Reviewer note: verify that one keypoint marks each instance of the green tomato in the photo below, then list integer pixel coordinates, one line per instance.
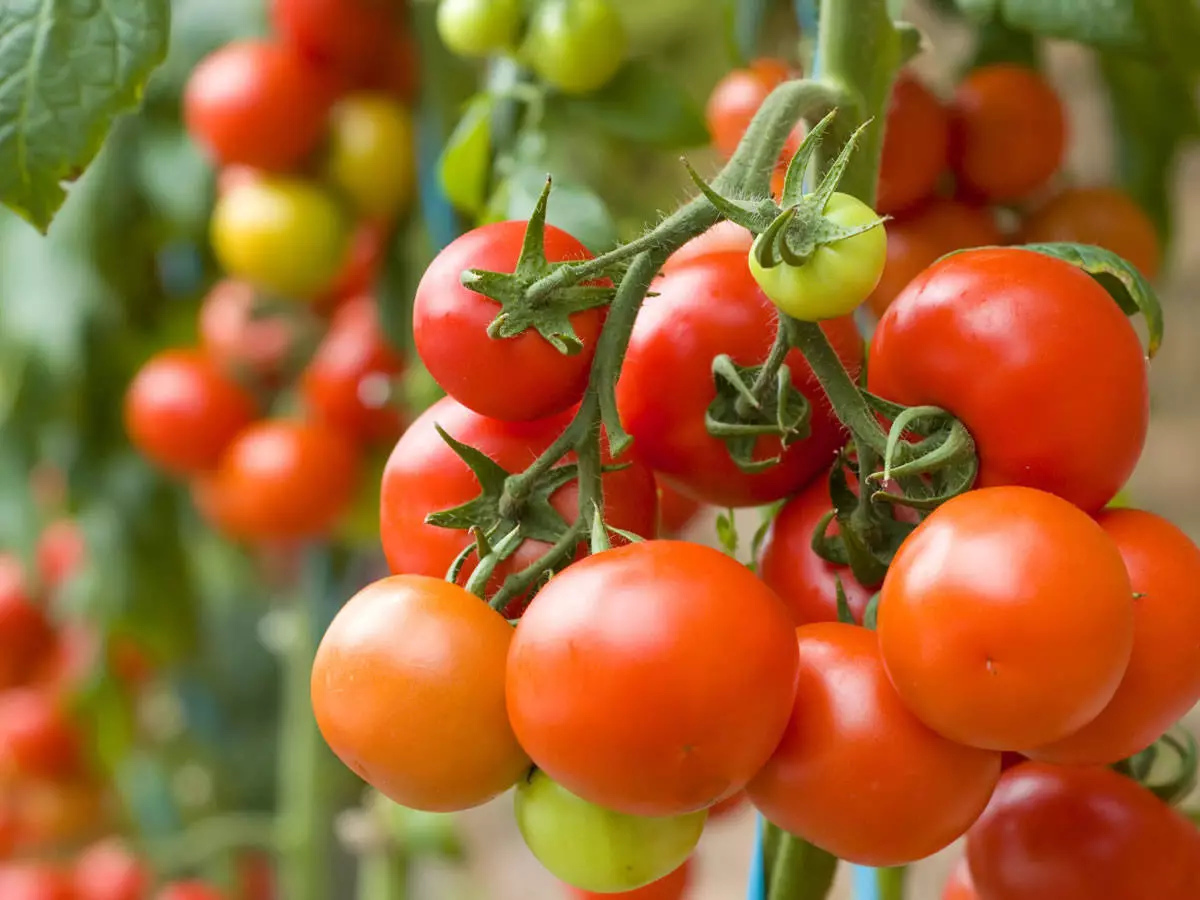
(285, 236)
(576, 46)
(371, 156)
(478, 27)
(838, 277)
(596, 849)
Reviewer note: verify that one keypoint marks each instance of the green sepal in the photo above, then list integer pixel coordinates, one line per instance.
(844, 614)
(871, 613)
(739, 418)
(1181, 778)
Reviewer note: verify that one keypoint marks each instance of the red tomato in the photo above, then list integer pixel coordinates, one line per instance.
(189, 890)
(349, 385)
(1008, 132)
(284, 481)
(257, 104)
(399, 71)
(702, 310)
(1104, 216)
(737, 97)
(424, 475)
(515, 379)
(1076, 833)
(915, 147)
(26, 634)
(182, 412)
(670, 887)
(612, 688)
(36, 736)
(60, 552)
(856, 773)
(54, 813)
(108, 871)
(34, 881)
(675, 511)
(1163, 679)
(238, 340)
(724, 237)
(1006, 619)
(805, 581)
(352, 35)
(960, 886)
(1034, 357)
(255, 876)
(728, 807)
(367, 249)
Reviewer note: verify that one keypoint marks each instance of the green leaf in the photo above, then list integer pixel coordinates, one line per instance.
(727, 533)
(871, 613)
(641, 104)
(999, 43)
(467, 158)
(67, 70)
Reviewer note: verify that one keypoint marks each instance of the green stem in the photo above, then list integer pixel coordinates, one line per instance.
(796, 869)
(770, 368)
(891, 883)
(211, 837)
(383, 874)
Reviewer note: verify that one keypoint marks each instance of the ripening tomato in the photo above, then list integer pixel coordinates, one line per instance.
(348, 34)
(1104, 216)
(424, 654)
(61, 550)
(738, 96)
(26, 634)
(597, 849)
(959, 885)
(1006, 619)
(709, 307)
(856, 774)
(724, 237)
(916, 146)
(478, 27)
(612, 688)
(1079, 833)
(371, 158)
(349, 383)
(575, 46)
(34, 881)
(284, 481)
(257, 104)
(675, 511)
(360, 266)
(237, 339)
(1162, 681)
(107, 870)
(1036, 360)
(181, 411)
(189, 890)
(37, 738)
(1008, 132)
(670, 887)
(513, 379)
(424, 475)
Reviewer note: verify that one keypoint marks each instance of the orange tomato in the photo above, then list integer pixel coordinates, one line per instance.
(1104, 216)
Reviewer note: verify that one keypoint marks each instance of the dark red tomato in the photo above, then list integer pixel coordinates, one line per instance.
(1079, 833)
(670, 887)
(284, 481)
(675, 511)
(724, 237)
(805, 581)
(255, 877)
(352, 35)
(856, 773)
(34, 881)
(915, 148)
(349, 385)
(424, 475)
(367, 247)
(108, 871)
(26, 634)
(181, 411)
(1008, 132)
(398, 72)
(189, 890)
(60, 552)
(1034, 357)
(37, 738)
(258, 104)
(514, 379)
(702, 310)
(960, 886)
(1104, 216)
(737, 97)
(237, 339)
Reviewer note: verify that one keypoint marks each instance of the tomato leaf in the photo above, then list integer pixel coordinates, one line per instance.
(67, 70)
(466, 162)
(871, 613)
(1121, 279)
(1100, 23)
(999, 43)
(727, 533)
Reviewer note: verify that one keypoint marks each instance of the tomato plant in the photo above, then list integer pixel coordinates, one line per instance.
(370, 154)
(478, 27)
(916, 146)
(351, 36)
(109, 871)
(575, 45)
(737, 97)
(1103, 216)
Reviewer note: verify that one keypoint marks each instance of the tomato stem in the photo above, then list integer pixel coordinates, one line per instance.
(383, 874)
(891, 883)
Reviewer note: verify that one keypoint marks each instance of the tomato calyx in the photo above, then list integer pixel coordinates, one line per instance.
(1183, 771)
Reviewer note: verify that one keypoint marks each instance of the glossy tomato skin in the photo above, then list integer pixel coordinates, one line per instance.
(34, 881)
(1008, 132)
(108, 871)
(371, 156)
(237, 339)
(1006, 619)
(709, 307)
(1034, 357)
(1104, 216)
(37, 738)
(960, 886)
(738, 96)
(181, 411)
(856, 773)
(670, 887)
(724, 237)
(1162, 681)
(426, 653)
(257, 104)
(916, 146)
(1079, 833)
(675, 511)
(26, 634)
(349, 384)
(618, 647)
(350, 35)
(514, 379)
(478, 27)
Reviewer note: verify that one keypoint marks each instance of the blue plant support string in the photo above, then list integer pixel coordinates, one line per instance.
(866, 885)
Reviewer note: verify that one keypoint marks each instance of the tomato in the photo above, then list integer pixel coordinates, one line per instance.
(611, 686)
(856, 774)
(189, 890)
(34, 881)
(960, 886)
(1078, 833)
(738, 96)
(1163, 679)
(398, 72)
(837, 277)
(371, 155)
(257, 104)
(670, 887)
(597, 849)
(709, 307)
(59, 812)
(422, 652)
(478, 27)
(1006, 619)
(805, 581)
(1104, 216)
(514, 379)
(61, 550)
(916, 146)
(424, 475)
(576, 46)
(729, 806)
(26, 634)
(724, 237)
(255, 877)
(349, 383)
(348, 34)
(283, 235)
(1008, 132)
(239, 340)
(108, 871)
(36, 736)
(181, 411)
(360, 266)
(1034, 357)
(675, 511)
(284, 481)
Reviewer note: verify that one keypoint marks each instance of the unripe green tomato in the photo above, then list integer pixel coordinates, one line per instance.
(371, 154)
(576, 46)
(838, 277)
(478, 27)
(596, 849)
(285, 236)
